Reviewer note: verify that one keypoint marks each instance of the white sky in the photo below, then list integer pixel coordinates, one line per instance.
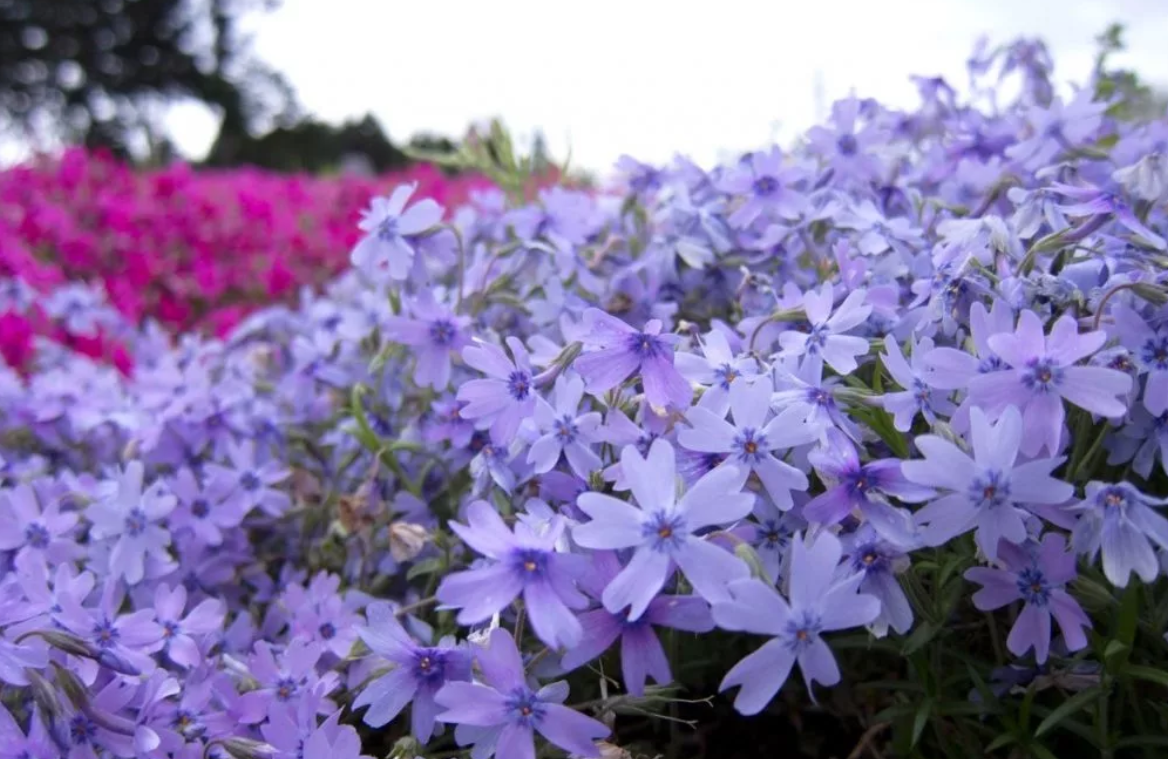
(651, 77)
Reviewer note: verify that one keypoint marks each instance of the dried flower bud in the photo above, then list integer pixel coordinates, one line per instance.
(406, 540)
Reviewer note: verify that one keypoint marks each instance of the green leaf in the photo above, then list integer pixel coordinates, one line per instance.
(1072, 705)
(922, 635)
(1042, 752)
(1003, 740)
(1137, 741)
(920, 719)
(1151, 674)
(426, 567)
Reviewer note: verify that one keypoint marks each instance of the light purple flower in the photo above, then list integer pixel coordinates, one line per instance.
(419, 673)
(1120, 521)
(1150, 348)
(662, 528)
(715, 370)
(564, 431)
(879, 561)
(32, 531)
(435, 332)
(1099, 204)
(507, 712)
(824, 339)
(751, 440)
(386, 252)
(764, 185)
(918, 397)
(1036, 573)
(205, 511)
(622, 350)
(988, 491)
(1043, 373)
(1140, 441)
(849, 150)
(180, 634)
(818, 604)
(521, 562)
(250, 484)
(641, 653)
(864, 488)
(132, 517)
(507, 397)
(953, 368)
(122, 640)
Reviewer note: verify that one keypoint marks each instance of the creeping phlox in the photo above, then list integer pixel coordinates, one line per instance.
(908, 379)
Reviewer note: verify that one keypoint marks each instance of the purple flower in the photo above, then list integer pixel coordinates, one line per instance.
(250, 483)
(818, 604)
(641, 653)
(385, 251)
(1037, 574)
(918, 397)
(507, 397)
(715, 370)
(205, 511)
(662, 528)
(749, 442)
(953, 368)
(849, 151)
(131, 517)
(879, 561)
(1096, 203)
(987, 491)
(30, 653)
(419, 673)
(284, 679)
(853, 486)
(1150, 349)
(179, 633)
(521, 562)
(622, 350)
(1140, 441)
(564, 431)
(122, 640)
(825, 339)
(1043, 373)
(435, 332)
(764, 186)
(1120, 521)
(14, 744)
(35, 532)
(501, 715)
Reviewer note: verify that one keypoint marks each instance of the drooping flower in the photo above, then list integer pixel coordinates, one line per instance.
(419, 672)
(521, 562)
(387, 250)
(661, 528)
(1120, 522)
(818, 604)
(1042, 373)
(506, 397)
(563, 431)
(1037, 574)
(622, 350)
(131, 516)
(641, 653)
(750, 442)
(501, 714)
(988, 491)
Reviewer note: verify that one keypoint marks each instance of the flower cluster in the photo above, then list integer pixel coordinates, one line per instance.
(891, 389)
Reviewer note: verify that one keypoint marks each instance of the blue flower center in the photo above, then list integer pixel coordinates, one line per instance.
(1033, 586)
(750, 445)
(328, 631)
(646, 346)
(1155, 352)
(430, 665)
(817, 339)
(773, 536)
(82, 730)
(105, 634)
(725, 374)
(519, 385)
(169, 629)
(802, 631)
(36, 536)
(442, 332)
(530, 563)
(200, 508)
(565, 429)
(136, 522)
(387, 229)
(524, 708)
(820, 397)
(765, 186)
(250, 482)
(990, 490)
(285, 689)
(847, 144)
(665, 531)
(1113, 499)
(1042, 375)
(989, 364)
(869, 559)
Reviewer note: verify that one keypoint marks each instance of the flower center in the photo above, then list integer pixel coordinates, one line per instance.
(765, 186)
(645, 346)
(285, 689)
(1042, 376)
(565, 429)
(847, 144)
(725, 375)
(387, 229)
(530, 562)
(751, 445)
(442, 332)
(524, 707)
(136, 522)
(665, 531)
(328, 631)
(1033, 586)
(36, 536)
(990, 490)
(200, 508)
(1155, 352)
(105, 634)
(519, 385)
(249, 481)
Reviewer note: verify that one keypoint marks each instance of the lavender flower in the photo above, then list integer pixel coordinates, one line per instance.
(641, 653)
(988, 491)
(764, 186)
(419, 672)
(131, 517)
(817, 605)
(918, 397)
(206, 511)
(564, 431)
(748, 443)
(662, 528)
(1150, 348)
(503, 713)
(1098, 204)
(179, 632)
(623, 350)
(715, 370)
(435, 332)
(33, 531)
(251, 484)
(521, 562)
(387, 251)
(1036, 574)
(879, 561)
(1043, 373)
(507, 397)
(1119, 521)
(825, 339)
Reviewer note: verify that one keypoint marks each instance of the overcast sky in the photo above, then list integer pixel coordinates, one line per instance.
(650, 77)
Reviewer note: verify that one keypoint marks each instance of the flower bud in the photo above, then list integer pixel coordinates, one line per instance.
(406, 540)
